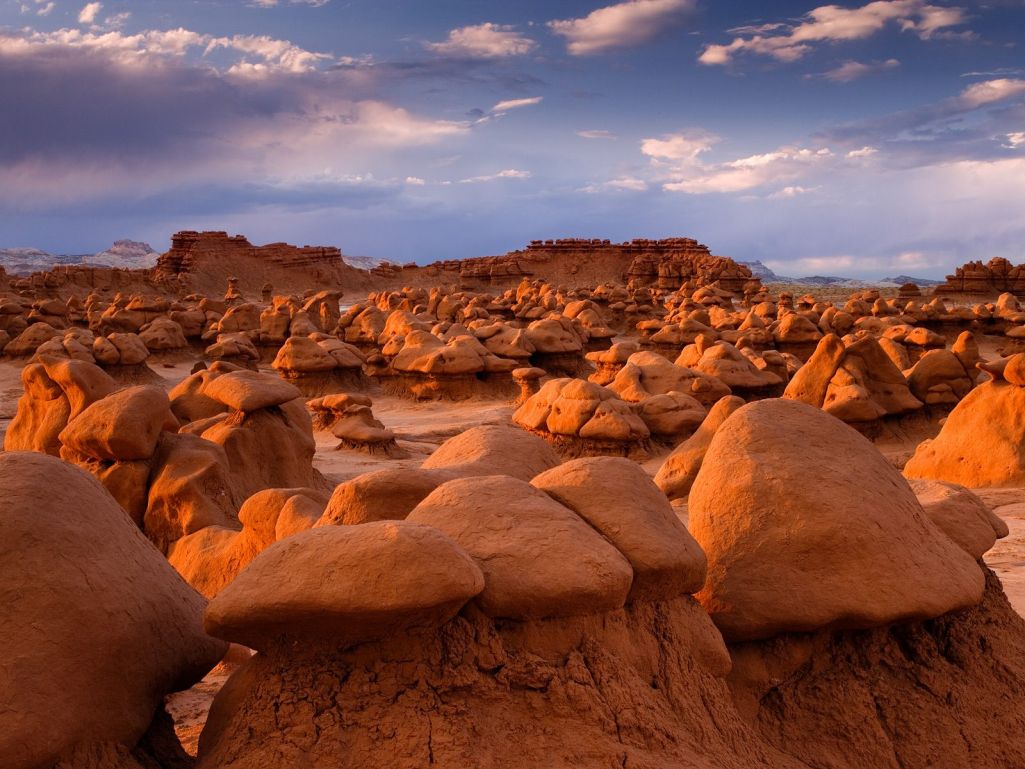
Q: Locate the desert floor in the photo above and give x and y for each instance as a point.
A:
(421, 427)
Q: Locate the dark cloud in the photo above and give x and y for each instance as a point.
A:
(81, 106)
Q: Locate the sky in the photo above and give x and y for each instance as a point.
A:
(859, 139)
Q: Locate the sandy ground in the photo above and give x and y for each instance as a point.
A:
(421, 427)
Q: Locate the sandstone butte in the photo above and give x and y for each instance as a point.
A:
(203, 261)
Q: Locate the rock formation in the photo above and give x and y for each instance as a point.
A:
(98, 626)
(994, 277)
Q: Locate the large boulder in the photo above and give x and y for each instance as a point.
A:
(98, 627)
(124, 425)
(620, 500)
(349, 584)
(539, 558)
(961, 515)
(677, 473)
(493, 450)
(807, 526)
(982, 442)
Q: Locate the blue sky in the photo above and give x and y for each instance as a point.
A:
(857, 139)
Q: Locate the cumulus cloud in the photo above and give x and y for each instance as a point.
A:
(415, 181)
(992, 91)
(696, 177)
(89, 13)
(1015, 140)
(254, 54)
(619, 26)
(679, 148)
(787, 42)
(483, 41)
(596, 134)
(165, 117)
(509, 104)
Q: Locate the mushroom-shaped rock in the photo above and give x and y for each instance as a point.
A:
(960, 514)
(671, 415)
(678, 472)
(327, 410)
(539, 558)
(125, 425)
(381, 495)
(163, 334)
(346, 584)
(98, 627)
(939, 377)
(250, 390)
(798, 541)
(302, 355)
(982, 442)
(491, 449)
(648, 373)
(856, 382)
(620, 500)
(581, 417)
(358, 428)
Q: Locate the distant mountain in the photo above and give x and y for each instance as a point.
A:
(766, 275)
(124, 253)
(22, 261)
(129, 254)
(900, 280)
(365, 262)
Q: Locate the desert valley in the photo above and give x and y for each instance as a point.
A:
(600, 384)
(583, 504)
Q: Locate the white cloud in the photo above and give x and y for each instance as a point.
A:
(89, 13)
(596, 134)
(622, 184)
(415, 181)
(784, 164)
(509, 173)
(484, 41)
(117, 21)
(508, 104)
(833, 23)
(990, 91)
(38, 7)
(792, 191)
(680, 148)
(618, 26)
(1015, 140)
(257, 54)
(864, 152)
(271, 54)
(273, 3)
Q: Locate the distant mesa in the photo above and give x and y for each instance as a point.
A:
(667, 263)
(205, 260)
(997, 276)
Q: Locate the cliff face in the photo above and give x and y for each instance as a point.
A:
(664, 263)
(204, 261)
(995, 277)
